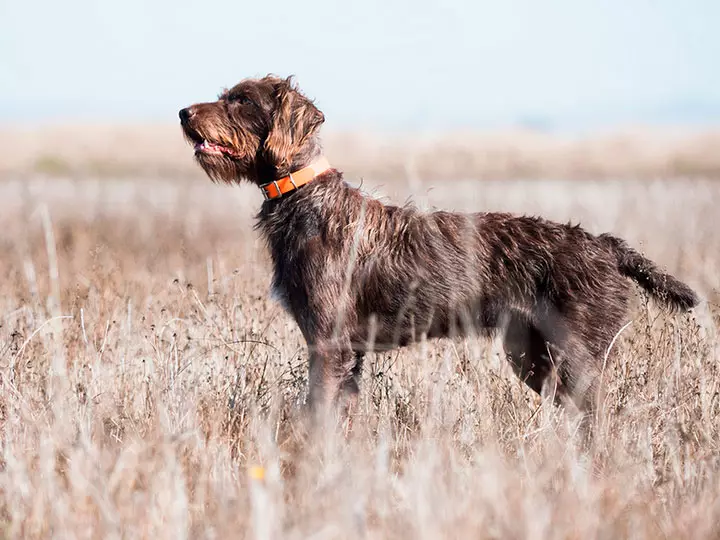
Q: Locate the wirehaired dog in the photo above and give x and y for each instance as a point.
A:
(359, 275)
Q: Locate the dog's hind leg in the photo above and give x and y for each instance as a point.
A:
(528, 353)
(565, 373)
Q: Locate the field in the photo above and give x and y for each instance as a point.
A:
(149, 388)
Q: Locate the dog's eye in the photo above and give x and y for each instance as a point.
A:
(242, 100)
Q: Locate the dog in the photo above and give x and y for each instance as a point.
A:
(358, 275)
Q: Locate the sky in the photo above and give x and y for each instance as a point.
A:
(369, 64)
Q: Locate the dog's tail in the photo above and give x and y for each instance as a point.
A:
(664, 287)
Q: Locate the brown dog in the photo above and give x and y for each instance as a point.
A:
(359, 275)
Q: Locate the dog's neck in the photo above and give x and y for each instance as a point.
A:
(282, 186)
(267, 171)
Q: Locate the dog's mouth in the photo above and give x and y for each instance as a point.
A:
(212, 149)
(205, 147)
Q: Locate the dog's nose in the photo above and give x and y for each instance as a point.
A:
(185, 114)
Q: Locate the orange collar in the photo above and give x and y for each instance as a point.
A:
(286, 184)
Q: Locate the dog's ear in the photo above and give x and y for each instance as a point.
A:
(294, 120)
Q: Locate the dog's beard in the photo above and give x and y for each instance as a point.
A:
(221, 168)
(222, 161)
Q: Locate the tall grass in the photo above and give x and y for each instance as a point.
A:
(150, 388)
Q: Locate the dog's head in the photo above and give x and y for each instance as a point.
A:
(259, 130)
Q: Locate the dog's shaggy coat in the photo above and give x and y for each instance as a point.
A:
(358, 275)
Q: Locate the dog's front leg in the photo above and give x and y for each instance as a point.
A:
(332, 366)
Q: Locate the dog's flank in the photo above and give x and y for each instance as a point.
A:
(358, 275)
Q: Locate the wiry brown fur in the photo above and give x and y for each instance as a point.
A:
(359, 275)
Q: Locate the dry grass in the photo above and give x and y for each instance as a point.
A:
(145, 376)
(131, 150)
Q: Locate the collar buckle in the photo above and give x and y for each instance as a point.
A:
(266, 196)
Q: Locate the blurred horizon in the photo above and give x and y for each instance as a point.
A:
(371, 65)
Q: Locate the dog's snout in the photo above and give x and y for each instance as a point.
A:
(185, 114)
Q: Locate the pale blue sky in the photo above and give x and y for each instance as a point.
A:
(393, 64)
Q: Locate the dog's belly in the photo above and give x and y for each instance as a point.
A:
(380, 331)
